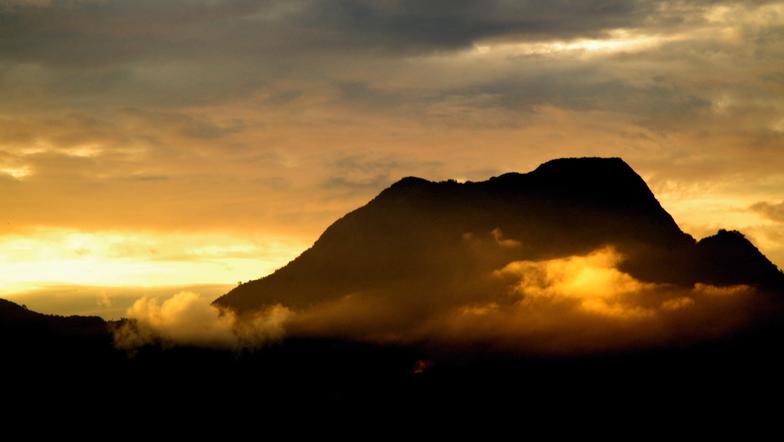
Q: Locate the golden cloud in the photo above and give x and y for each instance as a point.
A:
(580, 303)
(186, 318)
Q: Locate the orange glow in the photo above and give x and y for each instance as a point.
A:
(47, 256)
(593, 280)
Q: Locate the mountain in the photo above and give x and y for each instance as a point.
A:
(15, 317)
(729, 258)
(430, 236)
(29, 339)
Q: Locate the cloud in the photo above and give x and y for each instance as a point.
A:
(104, 301)
(361, 48)
(565, 305)
(773, 211)
(101, 33)
(585, 304)
(188, 319)
(593, 275)
(360, 174)
(572, 304)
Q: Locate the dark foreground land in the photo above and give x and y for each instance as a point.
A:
(70, 365)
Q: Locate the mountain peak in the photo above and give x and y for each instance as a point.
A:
(574, 164)
(592, 174)
(410, 181)
(405, 186)
(728, 257)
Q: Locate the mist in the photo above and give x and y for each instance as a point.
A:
(568, 305)
(188, 319)
(574, 304)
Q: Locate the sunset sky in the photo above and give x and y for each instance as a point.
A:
(159, 143)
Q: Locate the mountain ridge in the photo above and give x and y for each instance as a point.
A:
(415, 231)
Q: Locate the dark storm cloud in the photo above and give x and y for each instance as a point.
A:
(73, 33)
(415, 26)
(106, 33)
(168, 54)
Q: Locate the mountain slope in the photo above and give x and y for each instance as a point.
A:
(28, 338)
(432, 235)
(729, 258)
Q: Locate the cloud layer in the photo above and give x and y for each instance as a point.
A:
(564, 305)
(569, 305)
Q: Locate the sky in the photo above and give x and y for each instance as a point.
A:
(159, 143)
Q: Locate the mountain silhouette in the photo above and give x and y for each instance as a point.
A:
(419, 242)
(419, 233)
(15, 316)
(35, 338)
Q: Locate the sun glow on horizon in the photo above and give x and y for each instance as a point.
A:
(47, 256)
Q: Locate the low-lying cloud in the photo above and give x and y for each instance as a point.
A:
(585, 303)
(188, 319)
(567, 305)
(573, 304)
